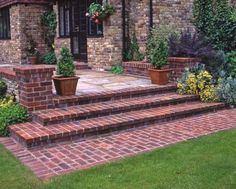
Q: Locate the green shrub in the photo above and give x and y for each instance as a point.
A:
(216, 20)
(159, 55)
(226, 90)
(117, 69)
(199, 82)
(3, 88)
(157, 35)
(231, 61)
(11, 115)
(49, 58)
(65, 65)
(133, 53)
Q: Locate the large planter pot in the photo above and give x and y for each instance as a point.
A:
(65, 86)
(159, 77)
(33, 60)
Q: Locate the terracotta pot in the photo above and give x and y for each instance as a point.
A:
(33, 60)
(159, 77)
(65, 86)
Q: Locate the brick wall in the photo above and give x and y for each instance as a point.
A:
(23, 18)
(106, 51)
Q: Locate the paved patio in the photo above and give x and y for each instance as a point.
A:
(77, 155)
(96, 81)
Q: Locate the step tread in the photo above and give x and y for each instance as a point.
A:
(73, 112)
(34, 132)
(113, 93)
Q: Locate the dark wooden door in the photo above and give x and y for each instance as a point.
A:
(79, 30)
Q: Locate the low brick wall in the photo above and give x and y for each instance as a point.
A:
(137, 68)
(178, 66)
(35, 86)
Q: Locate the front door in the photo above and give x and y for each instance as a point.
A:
(79, 29)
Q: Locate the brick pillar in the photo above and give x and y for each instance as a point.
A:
(178, 66)
(35, 86)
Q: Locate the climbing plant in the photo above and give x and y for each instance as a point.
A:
(49, 23)
(216, 20)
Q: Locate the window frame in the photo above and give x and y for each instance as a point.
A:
(62, 3)
(6, 23)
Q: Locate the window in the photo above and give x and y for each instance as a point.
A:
(93, 28)
(64, 19)
(5, 24)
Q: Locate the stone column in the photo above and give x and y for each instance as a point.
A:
(35, 86)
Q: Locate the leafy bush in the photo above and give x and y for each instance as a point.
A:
(231, 61)
(133, 53)
(7, 101)
(157, 35)
(65, 65)
(49, 58)
(117, 69)
(3, 88)
(159, 55)
(11, 115)
(49, 23)
(199, 83)
(226, 90)
(188, 44)
(216, 20)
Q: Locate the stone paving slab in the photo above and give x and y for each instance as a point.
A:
(78, 155)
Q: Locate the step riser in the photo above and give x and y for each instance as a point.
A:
(111, 97)
(118, 110)
(120, 126)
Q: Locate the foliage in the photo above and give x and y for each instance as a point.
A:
(157, 35)
(9, 115)
(117, 69)
(65, 65)
(31, 45)
(231, 61)
(133, 53)
(49, 23)
(159, 56)
(97, 11)
(227, 90)
(49, 58)
(199, 83)
(3, 88)
(188, 44)
(216, 20)
(7, 101)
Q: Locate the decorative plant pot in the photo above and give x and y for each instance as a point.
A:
(159, 77)
(65, 86)
(33, 60)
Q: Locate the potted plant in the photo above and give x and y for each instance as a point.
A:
(99, 13)
(31, 50)
(159, 59)
(65, 82)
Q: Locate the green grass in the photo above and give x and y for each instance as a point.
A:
(205, 163)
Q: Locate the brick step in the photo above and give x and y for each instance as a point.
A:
(81, 66)
(62, 102)
(73, 113)
(33, 134)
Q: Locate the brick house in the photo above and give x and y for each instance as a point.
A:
(99, 45)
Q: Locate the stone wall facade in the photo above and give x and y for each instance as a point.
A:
(23, 19)
(107, 50)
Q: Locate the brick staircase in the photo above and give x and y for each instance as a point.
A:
(78, 117)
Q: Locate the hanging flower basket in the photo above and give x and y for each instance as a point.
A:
(99, 13)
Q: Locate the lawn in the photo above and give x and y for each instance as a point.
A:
(207, 163)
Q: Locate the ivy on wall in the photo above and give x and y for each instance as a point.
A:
(216, 20)
(49, 24)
